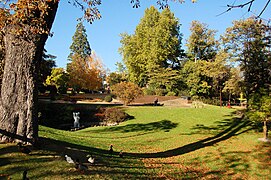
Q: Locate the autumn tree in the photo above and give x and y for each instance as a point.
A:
(26, 26)
(85, 70)
(127, 92)
(86, 73)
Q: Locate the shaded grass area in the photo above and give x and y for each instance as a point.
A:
(159, 143)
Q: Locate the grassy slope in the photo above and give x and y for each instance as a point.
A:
(159, 143)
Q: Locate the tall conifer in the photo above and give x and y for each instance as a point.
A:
(80, 45)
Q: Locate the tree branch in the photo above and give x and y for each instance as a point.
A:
(249, 4)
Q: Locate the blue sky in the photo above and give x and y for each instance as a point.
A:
(118, 16)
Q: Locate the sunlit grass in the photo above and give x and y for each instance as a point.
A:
(158, 143)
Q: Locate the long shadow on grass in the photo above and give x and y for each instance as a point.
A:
(163, 125)
(236, 127)
(220, 126)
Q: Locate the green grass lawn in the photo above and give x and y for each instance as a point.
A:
(158, 143)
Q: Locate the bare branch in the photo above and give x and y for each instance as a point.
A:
(249, 5)
(264, 8)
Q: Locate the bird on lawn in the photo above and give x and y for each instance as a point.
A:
(80, 167)
(91, 159)
(23, 149)
(69, 159)
(111, 149)
(121, 154)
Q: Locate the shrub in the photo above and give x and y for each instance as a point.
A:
(108, 98)
(111, 115)
(127, 92)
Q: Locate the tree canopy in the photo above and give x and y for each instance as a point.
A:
(248, 41)
(155, 44)
(201, 43)
(86, 73)
(80, 45)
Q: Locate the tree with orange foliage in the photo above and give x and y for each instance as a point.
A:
(25, 26)
(127, 92)
(86, 73)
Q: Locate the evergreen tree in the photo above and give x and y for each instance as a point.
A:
(80, 45)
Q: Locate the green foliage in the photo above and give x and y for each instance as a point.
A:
(260, 107)
(206, 78)
(58, 78)
(108, 98)
(115, 78)
(164, 78)
(160, 92)
(148, 90)
(80, 45)
(201, 43)
(120, 68)
(155, 45)
(195, 78)
(127, 92)
(235, 83)
(171, 94)
(248, 41)
(212, 101)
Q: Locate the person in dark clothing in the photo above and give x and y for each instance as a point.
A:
(156, 101)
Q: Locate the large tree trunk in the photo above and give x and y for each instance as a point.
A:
(19, 94)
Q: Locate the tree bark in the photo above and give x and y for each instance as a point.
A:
(19, 94)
